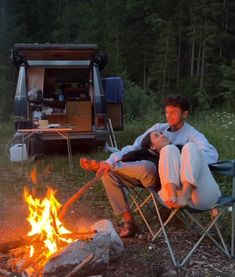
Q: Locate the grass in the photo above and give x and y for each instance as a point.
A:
(219, 128)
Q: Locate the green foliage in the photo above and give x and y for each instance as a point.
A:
(228, 85)
(6, 89)
(204, 100)
(137, 103)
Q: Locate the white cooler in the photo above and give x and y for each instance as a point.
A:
(18, 153)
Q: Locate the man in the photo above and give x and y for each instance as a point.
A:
(185, 176)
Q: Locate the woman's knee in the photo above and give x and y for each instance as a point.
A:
(190, 145)
(170, 150)
(190, 148)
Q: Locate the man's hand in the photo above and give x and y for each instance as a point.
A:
(103, 169)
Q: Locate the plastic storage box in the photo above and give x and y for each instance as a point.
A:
(18, 153)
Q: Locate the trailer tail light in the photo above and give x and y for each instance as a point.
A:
(101, 121)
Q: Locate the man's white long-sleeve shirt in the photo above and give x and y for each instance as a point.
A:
(185, 134)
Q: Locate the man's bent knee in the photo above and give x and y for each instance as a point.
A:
(148, 174)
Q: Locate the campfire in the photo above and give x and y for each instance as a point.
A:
(47, 231)
(50, 249)
(46, 237)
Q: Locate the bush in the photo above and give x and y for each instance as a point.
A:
(137, 102)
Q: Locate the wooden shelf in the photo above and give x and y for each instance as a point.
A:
(55, 104)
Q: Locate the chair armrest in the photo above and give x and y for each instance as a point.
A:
(224, 167)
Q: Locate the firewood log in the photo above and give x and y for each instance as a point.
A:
(76, 196)
(5, 272)
(8, 245)
(5, 246)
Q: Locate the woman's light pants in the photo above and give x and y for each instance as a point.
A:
(188, 166)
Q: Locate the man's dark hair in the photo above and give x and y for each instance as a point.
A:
(146, 141)
(177, 101)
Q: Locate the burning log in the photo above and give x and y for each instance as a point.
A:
(5, 272)
(7, 246)
(81, 235)
(76, 196)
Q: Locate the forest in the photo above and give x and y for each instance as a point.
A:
(158, 47)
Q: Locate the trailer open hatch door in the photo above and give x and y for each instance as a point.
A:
(28, 52)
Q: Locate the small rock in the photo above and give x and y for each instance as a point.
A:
(170, 273)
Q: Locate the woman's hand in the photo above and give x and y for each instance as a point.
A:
(103, 169)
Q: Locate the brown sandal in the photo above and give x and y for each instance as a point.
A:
(128, 230)
(88, 164)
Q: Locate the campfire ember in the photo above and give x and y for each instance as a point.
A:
(46, 237)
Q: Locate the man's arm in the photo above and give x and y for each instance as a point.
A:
(209, 152)
(116, 156)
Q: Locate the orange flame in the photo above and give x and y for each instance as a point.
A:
(43, 217)
(34, 176)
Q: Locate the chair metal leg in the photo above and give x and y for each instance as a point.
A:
(144, 201)
(164, 224)
(142, 215)
(206, 232)
(176, 264)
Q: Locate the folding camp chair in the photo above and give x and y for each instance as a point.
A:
(188, 215)
(141, 199)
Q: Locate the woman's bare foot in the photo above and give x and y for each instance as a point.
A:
(171, 191)
(184, 196)
(171, 202)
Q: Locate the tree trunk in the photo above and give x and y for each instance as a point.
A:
(165, 64)
(224, 24)
(179, 52)
(203, 57)
(117, 41)
(192, 57)
(144, 77)
(199, 58)
(192, 49)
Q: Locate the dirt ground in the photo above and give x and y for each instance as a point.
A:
(140, 258)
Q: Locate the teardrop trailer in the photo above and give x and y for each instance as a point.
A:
(60, 85)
